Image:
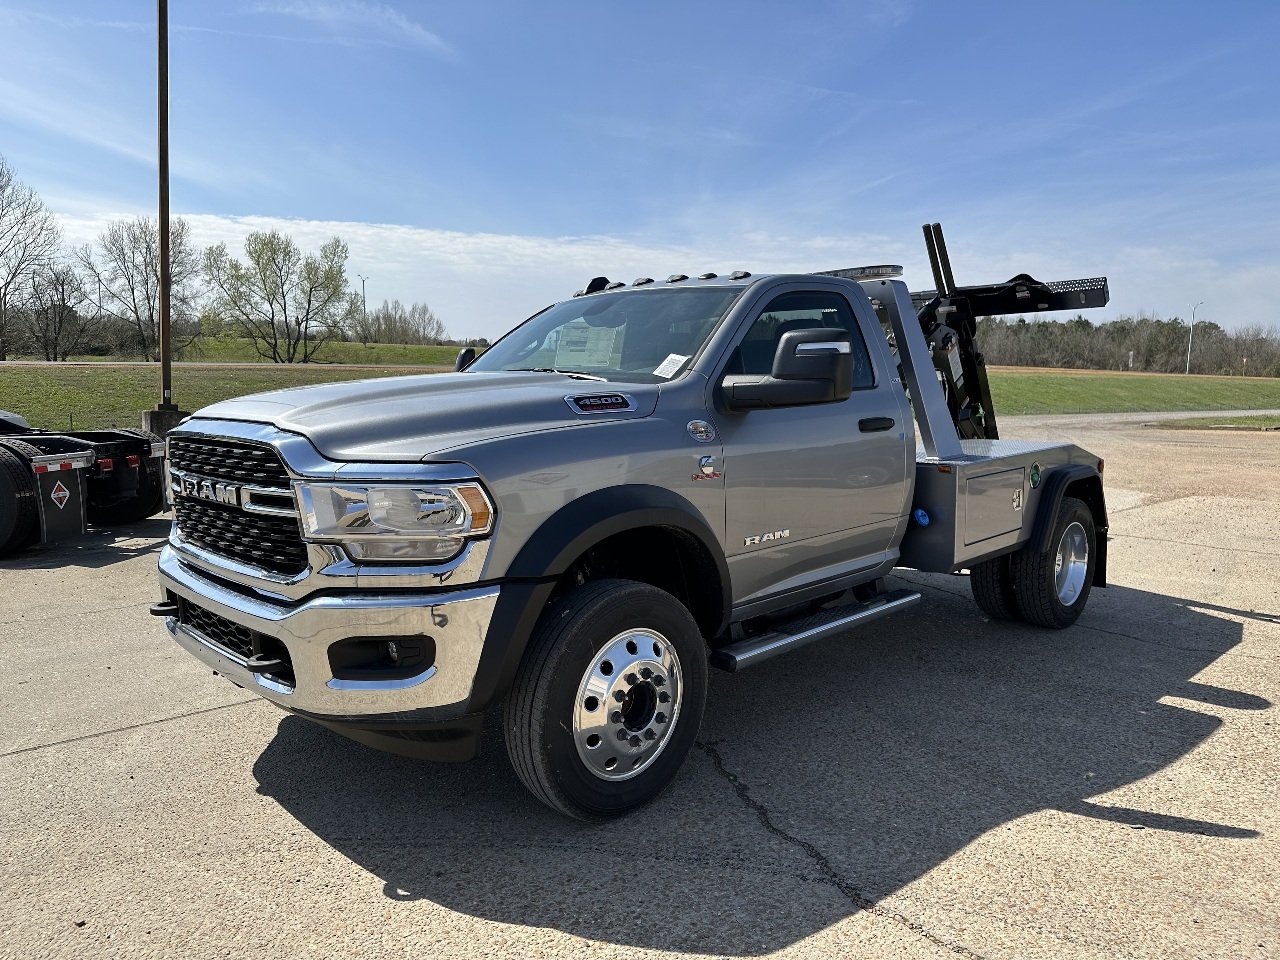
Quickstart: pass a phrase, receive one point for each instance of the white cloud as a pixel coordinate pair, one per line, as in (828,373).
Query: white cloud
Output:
(482,284)
(377,23)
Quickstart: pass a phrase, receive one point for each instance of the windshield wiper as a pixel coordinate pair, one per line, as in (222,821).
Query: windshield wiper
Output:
(576,374)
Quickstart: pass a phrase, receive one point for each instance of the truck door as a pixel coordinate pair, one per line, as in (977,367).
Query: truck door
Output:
(813,492)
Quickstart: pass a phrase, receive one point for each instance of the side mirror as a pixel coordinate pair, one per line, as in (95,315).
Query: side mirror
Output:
(465,356)
(810,366)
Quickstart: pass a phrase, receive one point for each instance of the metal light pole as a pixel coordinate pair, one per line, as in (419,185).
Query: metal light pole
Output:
(162,127)
(363,299)
(166,414)
(1192,333)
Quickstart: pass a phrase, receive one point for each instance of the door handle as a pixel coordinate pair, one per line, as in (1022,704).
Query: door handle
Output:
(875,424)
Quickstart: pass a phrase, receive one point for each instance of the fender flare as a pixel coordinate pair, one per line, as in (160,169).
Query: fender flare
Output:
(561,539)
(1056,482)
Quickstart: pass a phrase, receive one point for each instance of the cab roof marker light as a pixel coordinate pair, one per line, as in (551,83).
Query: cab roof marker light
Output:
(641,281)
(677,277)
(615,285)
(706,276)
(739,275)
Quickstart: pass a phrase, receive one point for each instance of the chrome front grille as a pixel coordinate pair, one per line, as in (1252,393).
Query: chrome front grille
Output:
(267,541)
(234,461)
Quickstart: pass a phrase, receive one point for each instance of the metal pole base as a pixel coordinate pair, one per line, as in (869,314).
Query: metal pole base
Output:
(163,419)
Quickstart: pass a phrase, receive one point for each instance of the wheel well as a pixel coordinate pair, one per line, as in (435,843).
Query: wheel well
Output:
(668,558)
(1089,489)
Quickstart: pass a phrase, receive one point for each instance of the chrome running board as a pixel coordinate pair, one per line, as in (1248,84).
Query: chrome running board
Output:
(808,628)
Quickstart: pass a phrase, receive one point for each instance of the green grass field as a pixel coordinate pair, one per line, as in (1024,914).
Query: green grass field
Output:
(233,350)
(1020,390)
(1263,422)
(56,395)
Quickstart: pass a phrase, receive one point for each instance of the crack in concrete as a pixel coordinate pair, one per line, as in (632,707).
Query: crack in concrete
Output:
(132,726)
(846,888)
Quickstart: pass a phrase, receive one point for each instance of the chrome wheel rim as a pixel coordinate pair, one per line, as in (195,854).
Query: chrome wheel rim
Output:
(628,704)
(1071,564)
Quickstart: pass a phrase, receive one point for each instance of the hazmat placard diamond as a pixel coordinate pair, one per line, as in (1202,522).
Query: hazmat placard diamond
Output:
(59,494)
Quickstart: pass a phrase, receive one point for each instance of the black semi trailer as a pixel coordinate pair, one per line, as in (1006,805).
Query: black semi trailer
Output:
(53,484)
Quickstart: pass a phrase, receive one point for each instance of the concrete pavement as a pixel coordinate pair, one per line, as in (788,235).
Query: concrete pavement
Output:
(937,786)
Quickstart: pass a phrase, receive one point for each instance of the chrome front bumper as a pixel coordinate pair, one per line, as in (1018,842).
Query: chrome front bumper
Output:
(458,621)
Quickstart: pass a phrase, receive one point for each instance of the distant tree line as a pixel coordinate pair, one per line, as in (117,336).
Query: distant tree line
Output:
(1142,343)
(103,299)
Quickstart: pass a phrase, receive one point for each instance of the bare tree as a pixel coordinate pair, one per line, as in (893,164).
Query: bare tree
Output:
(393,322)
(289,304)
(28,236)
(123,279)
(54,317)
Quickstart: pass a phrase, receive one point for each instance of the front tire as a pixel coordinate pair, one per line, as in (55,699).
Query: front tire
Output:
(1052,588)
(607,702)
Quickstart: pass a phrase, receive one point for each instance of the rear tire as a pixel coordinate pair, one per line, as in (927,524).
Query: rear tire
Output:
(19,511)
(1052,588)
(607,702)
(992,584)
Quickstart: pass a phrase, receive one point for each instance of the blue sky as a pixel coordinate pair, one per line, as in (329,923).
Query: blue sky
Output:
(490,157)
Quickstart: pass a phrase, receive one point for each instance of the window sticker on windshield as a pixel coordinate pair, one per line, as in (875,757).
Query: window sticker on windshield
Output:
(581,345)
(670,365)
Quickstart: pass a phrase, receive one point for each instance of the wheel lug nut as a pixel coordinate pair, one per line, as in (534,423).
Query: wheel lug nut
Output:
(622,734)
(619,695)
(650,735)
(615,717)
(631,678)
(660,717)
(664,697)
(635,741)
(659,680)
(646,673)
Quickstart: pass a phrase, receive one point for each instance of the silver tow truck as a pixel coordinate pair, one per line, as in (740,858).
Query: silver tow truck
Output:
(634,486)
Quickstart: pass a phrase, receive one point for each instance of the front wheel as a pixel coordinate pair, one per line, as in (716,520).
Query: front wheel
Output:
(608,699)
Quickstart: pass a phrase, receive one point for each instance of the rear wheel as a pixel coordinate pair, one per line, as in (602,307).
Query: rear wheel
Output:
(19,511)
(992,584)
(607,702)
(1052,587)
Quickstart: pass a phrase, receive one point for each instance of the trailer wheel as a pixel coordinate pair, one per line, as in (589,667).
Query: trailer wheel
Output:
(608,699)
(992,584)
(1052,588)
(19,511)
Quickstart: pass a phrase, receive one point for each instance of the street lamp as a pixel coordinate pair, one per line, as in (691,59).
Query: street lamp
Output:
(1192,333)
(363,299)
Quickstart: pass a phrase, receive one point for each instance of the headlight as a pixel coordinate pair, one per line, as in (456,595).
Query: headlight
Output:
(394,521)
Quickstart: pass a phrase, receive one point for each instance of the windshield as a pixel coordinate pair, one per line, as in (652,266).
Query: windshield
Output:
(634,336)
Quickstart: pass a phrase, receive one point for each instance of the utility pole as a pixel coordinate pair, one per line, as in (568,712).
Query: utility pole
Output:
(166,414)
(1192,333)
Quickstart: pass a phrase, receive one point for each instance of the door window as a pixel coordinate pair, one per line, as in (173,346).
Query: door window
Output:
(805,310)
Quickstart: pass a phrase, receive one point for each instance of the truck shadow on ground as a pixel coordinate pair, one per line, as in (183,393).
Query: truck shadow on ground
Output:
(822,783)
(97,548)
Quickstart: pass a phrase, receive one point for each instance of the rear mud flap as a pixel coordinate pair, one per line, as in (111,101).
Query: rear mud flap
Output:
(61,498)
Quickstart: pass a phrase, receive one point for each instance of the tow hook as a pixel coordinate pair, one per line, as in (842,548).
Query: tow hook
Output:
(261,663)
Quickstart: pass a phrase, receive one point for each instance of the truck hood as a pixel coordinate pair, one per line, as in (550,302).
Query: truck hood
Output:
(419,417)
